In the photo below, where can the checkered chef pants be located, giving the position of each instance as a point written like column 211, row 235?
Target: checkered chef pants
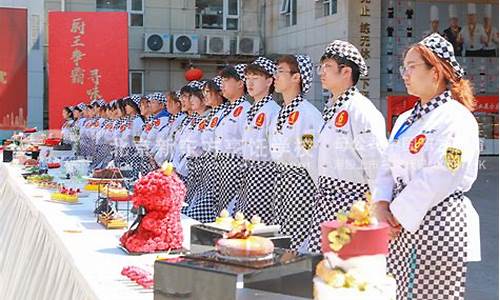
column 228, row 179
column 102, row 157
column 257, row 191
column 202, row 205
column 294, row 200
column 431, row 263
column 193, row 181
column 84, row 146
column 334, row 195
column 147, row 161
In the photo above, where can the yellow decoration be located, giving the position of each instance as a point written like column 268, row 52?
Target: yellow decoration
column 339, row 238
column 167, row 168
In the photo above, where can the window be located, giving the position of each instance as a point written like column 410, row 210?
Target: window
column 288, row 13
column 325, row 8
column 135, row 9
column 217, row 14
column 136, row 82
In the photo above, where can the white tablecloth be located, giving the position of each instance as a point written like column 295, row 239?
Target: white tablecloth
column 40, row 259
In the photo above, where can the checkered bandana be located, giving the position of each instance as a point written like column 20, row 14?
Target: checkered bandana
column 348, row 51
column 159, row 97
column 255, row 108
column 443, row 49
column 306, row 71
column 195, row 121
column 268, row 65
column 195, row 84
column 215, row 110
column 178, row 94
column 81, row 106
column 420, row 110
column 286, row 111
column 329, row 112
column 229, row 107
column 101, row 102
column 218, row 81
column 240, row 69
column 136, row 99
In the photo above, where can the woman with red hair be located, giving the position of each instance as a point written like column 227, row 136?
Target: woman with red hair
column 431, row 161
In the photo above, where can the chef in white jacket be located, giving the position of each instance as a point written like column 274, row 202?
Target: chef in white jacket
column 259, row 176
column 430, row 162
column 203, row 208
column 293, row 142
column 228, row 136
column 352, row 139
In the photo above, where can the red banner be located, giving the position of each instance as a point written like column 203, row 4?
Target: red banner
column 88, row 59
column 397, row 105
column 13, row 68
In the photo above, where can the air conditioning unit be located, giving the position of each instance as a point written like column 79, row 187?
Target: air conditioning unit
column 185, row 43
column 157, row 42
column 218, row 45
column 248, row 45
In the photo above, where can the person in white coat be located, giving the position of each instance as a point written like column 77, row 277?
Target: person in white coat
column 430, row 162
column 259, row 176
column 473, row 34
column 228, row 137
column 203, row 208
column 293, row 142
column 352, row 139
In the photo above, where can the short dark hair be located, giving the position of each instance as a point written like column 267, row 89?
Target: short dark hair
column 186, row 89
column 131, row 103
column 69, row 112
column 212, row 86
column 230, row 72
column 291, row 61
column 254, row 69
column 343, row 61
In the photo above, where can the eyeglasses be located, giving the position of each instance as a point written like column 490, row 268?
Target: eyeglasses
column 280, row 71
column 322, row 67
column 403, row 70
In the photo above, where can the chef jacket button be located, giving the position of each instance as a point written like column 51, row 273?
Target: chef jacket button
column 324, row 166
column 327, row 146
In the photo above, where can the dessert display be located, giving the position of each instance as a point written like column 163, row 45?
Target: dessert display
column 139, row 275
column 108, row 173
column 52, row 141
column 94, row 186
column 39, row 178
column 48, row 185
column 227, row 223
column 31, row 162
column 112, row 220
column 66, row 195
column 161, row 194
column 53, row 165
column 115, row 190
column 355, row 248
column 239, row 242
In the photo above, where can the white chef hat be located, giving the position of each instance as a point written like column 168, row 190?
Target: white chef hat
column 452, row 11
column 434, row 13
column 487, row 11
column 471, row 8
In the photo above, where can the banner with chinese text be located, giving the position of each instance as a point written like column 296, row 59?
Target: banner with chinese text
column 88, row 59
column 13, row 68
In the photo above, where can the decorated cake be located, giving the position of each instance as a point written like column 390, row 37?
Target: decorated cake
column 355, row 247
column 66, row 195
column 240, row 243
column 225, row 221
column 108, row 173
column 112, row 220
column 115, row 190
column 39, row 178
column 161, row 194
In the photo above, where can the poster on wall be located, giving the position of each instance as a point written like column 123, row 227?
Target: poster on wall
column 471, row 27
column 88, row 59
column 13, row 68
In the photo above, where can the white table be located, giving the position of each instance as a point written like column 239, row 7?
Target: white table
column 57, row 251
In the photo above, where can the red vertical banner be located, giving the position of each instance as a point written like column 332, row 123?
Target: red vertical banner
column 88, row 59
column 13, row 68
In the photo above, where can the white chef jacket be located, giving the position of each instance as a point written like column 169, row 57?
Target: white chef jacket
column 352, row 142
column 290, row 146
column 167, row 143
column 256, row 135
column 229, row 132
column 208, row 135
column 423, row 159
column 473, row 42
